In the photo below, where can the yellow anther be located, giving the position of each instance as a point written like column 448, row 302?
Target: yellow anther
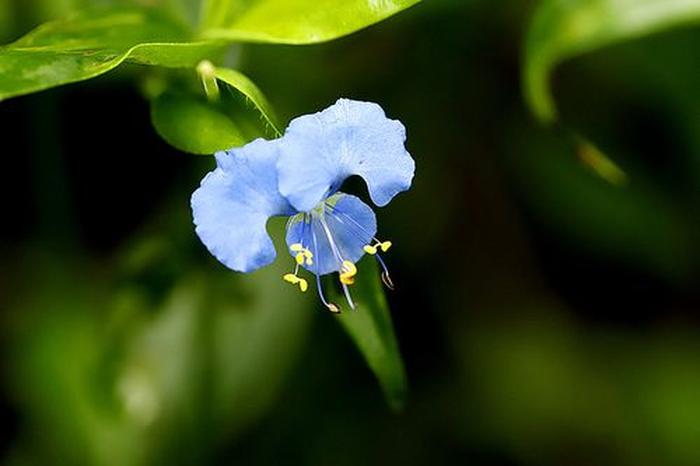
column 348, row 272
column 294, row 280
column 347, row 280
column 349, row 267
column 303, row 285
column 309, row 257
column 372, row 248
column 303, row 255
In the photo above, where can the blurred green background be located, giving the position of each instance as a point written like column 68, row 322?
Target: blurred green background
column 546, row 316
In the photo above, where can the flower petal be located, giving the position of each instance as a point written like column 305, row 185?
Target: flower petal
column 318, row 152
column 234, row 202
column 350, row 223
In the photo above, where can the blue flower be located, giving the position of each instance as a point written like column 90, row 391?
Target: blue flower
column 299, row 176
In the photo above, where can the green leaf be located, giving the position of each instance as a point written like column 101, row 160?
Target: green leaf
column 246, row 87
column 228, row 119
column 186, row 11
column 563, row 29
column 92, row 43
column 298, row 21
column 256, row 345
column 136, row 376
column 194, row 125
column 371, row 328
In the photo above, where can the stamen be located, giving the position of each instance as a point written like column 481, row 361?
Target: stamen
column 370, row 249
column 331, row 306
column 348, row 272
column 307, row 253
column 296, row 280
column 338, row 256
column 386, row 279
column 303, row 255
column 303, row 285
column 348, row 296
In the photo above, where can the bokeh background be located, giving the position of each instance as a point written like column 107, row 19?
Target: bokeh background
column 545, row 315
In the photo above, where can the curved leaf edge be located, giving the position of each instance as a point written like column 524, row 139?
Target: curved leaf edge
column 247, row 35
column 540, row 60
column 250, row 90
column 141, row 54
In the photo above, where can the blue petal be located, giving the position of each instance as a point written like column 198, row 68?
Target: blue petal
column 350, row 223
column 234, row 202
column 318, row 152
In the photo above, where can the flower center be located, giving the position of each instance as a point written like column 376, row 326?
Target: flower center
column 330, row 239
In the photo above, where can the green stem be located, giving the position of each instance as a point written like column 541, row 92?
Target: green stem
column 207, row 74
